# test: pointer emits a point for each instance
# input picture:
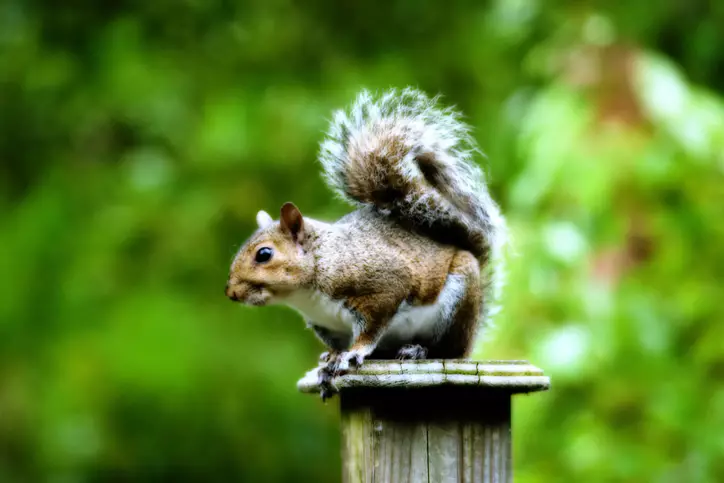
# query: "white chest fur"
(409, 322)
(320, 309)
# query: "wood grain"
(426, 435)
(430, 421)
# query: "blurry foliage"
(138, 140)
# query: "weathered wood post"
(429, 421)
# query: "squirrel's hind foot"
(412, 352)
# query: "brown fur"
(458, 340)
(401, 275)
(255, 283)
(368, 261)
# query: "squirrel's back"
(368, 250)
(412, 160)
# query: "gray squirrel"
(411, 273)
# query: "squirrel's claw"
(326, 388)
(326, 393)
(327, 371)
(336, 364)
(340, 363)
(349, 360)
(326, 357)
(412, 352)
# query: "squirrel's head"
(272, 262)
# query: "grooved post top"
(509, 376)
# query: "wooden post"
(429, 421)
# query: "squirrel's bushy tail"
(413, 159)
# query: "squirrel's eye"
(263, 255)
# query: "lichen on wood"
(439, 421)
(515, 376)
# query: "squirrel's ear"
(263, 219)
(292, 222)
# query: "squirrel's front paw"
(336, 364)
(326, 388)
(329, 363)
(327, 357)
(339, 363)
(349, 360)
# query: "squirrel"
(412, 272)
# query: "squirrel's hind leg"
(461, 303)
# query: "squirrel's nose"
(231, 293)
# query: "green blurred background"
(138, 140)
